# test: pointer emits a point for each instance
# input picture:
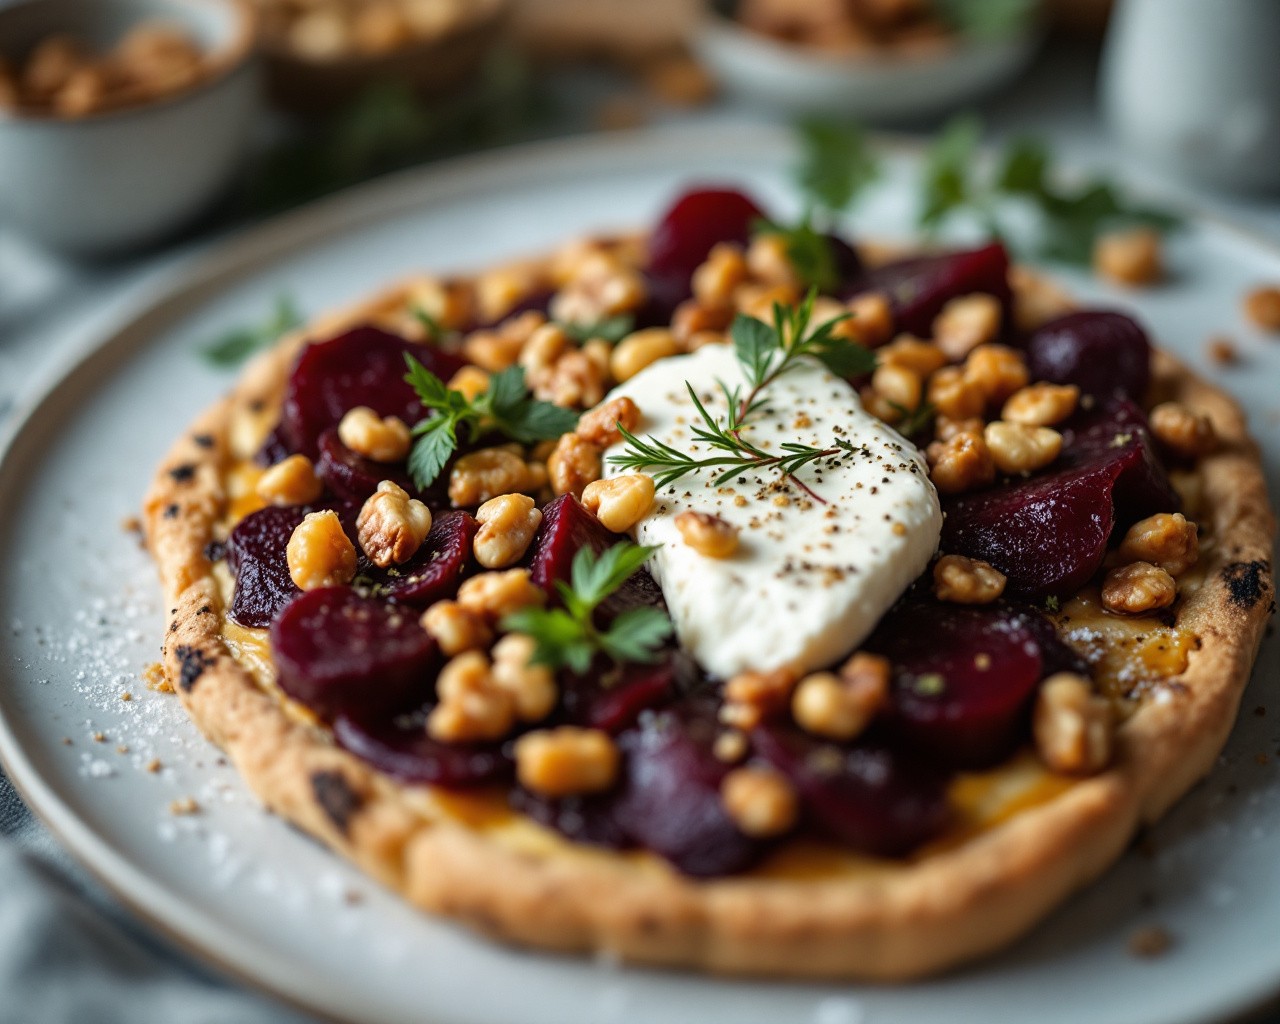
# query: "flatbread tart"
(678, 598)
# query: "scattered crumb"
(131, 524)
(1262, 307)
(1260, 711)
(154, 765)
(353, 898)
(1152, 941)
(126, 696)
(1261, 758)
(99, 737)
(1130, 257)
(66, 741)
(1222, 351)
(619, 113)
(154, 676)
(183, 806)
(121, 748)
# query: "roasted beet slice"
(669, 798)
(1049, 534)
(1098, 351)
(870, 798)
(273, 449)
(435, 571)
(919, 287)
(337, 652)
(584, 819)
(256, 555)
(848, 263)
(403, 750)
(612, 698)
(350, 476)
(567, 527)
(696, 223)
(365, 366)
(963, 679)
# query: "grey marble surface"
(47, 902)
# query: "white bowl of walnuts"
(121, 120)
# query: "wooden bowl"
(430, 67)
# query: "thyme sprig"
(766, 353)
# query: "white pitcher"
(1195, 85)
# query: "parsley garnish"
(931, 684)
(236, 346)
(506, 407)
(612, 330)
(568, 637)
(1068, 220)
(987, 19)
(765, 352)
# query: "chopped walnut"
(760, 801)
(480, 475)
(290, 482)
(841, 706)
(456, 629)
(1138, 588)
(392, 526)
(621, 501)
(953, 395)
(1018, 448)
(898, 386)
(600, 425)
(715, 280)
(750, 697)
(382, 439)
(507, 527)
(996, 371)
(471, 381)
(963, 580)
(638, 350)
(1222, 351)
(1183, 431)
(499, 349)
(1166, 539)
(532, 687)
(1041, 405)
(319, 553)
(707, 534)
(961, 463)
(1130, 257)
(498, 594)
(573, 464)
(920, 357)
(1072, 725)
(603, 287)
(472, 706)
(870, 322)
(965, 323)
(769, 260)
(566, 760)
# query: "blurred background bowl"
(427, 63)
(103, 183)
(889, 85)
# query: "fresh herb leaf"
(947, 168)
(915, 421)
(568, 637)
(612, 330)
(506, 406)
(236, 346)
(987, 19)
(434, 328)
(836, 163)
(808, 252)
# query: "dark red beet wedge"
(1049, 534)
(848, 264)
(963, 679)
(365, 366)
(404, 751)
(870, 798)
(612, 699)
(273, 449)
(919, 287)
(669, 797)
(1100, 352)
(337, 652)
(437, 569)
(586, 819)
(256, 555)
(350, 476)
(690, 229)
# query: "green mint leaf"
(636, 635)
(593, 578)
(754, 343)
(612, 330)
(237, 345)
(947, 169)
(559, 638)
(436, 443)
(536, 421)
(836, 163)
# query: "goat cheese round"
(820, 557)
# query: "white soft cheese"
(810, 579)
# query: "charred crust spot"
(257, 405)
(172, 511)
(336, 798)
(203, 440)
(182, 474)
(215, 551)
(205, 610)
(1247, 582)
(193, 662)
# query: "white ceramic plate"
(80, 617)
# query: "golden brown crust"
(891, 921)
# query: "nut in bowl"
(878, 61)
(120, 120)
(320, 54)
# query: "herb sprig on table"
(237, 345)
(1068, 220)
(506, 407)
(568, 637)
(766, 353)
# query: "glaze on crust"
(889, 921)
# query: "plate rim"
(215, 264)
